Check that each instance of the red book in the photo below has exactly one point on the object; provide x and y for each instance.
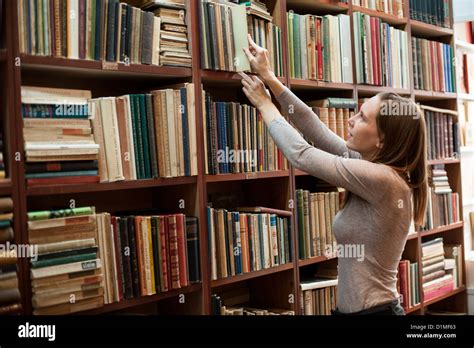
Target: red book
(320, 51)
(67, 180)
(173, 252)
(182, 252)
(402, 274)
(163, 221)
(373, 48)
(438, 292)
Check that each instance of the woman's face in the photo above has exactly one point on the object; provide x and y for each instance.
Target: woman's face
(363, 135)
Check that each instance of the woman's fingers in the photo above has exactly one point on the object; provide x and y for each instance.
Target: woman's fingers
(252, 43)
(245, 77)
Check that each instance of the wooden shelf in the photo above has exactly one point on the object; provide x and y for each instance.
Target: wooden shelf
(5, 187)
(128, 303)
(229, 77)
(444, 296)
(385, 17)
(3, 55)
(412, 236)
(247, 176)
(433, 95)
(251, 275)
(299, 84)
(413, 309)
(465, 96)
(420, 29)
(113, 186)
(317, 7)
(101, 68)
(444, 161)
(369, 90)
(299, 172)
(313, 260)
(442, 229)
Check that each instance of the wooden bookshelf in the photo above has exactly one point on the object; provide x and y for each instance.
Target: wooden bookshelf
(275, 189)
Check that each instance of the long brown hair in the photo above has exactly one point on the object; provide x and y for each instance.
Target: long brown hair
(401, 125)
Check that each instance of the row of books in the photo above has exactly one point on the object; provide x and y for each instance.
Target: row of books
(436, 12)
(237, 140)
(224, 30)
(381, 52)
(393, 7)
(318, 296)
(335, 113)
(146, 255)
(442, 133)
(146, 135)
(247, 239)
(318, 47)
(433, 65)
(86, 259)
(237, 301)
(10, 296)
(441, 267)
(104, 30)
(67, 274)
(443, 204)
(408, 284)
(315, 213)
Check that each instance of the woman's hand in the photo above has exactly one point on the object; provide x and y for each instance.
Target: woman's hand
(258, 58)
(255, 91)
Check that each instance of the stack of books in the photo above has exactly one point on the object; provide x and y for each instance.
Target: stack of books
(443, 204)
(144, 136)
(174, 43)
(237, 140)
(442, 133)
(436, 281)
(381, 53)
(433, 68)
(318, 48)
(59, 146)
(247, 240)
(9, 288)
(393, 7)
(66, 275)
(436, 12)
(408, 284)
(316, 213)
(163, 254)
(95, 30)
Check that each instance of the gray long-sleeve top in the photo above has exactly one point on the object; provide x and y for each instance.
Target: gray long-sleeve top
(376, 217)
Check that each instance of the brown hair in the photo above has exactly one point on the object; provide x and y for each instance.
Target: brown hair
(402, 127)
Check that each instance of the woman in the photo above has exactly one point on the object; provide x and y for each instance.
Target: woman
(382, 165)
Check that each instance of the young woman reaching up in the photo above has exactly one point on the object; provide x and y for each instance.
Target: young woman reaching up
(382, 166)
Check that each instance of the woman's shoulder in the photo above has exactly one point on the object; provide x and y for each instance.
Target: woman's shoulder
(395, 180)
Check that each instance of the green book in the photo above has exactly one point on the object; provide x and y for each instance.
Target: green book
(291, 43)
(52, 214)
(144, 135)
(63, 260)
(5, 223)
(297, 47)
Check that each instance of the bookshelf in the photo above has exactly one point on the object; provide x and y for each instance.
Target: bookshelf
(272, 189)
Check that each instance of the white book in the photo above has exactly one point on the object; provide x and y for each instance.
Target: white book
(64, 269)
(317, 284)
(346, 54)
(73, 29)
